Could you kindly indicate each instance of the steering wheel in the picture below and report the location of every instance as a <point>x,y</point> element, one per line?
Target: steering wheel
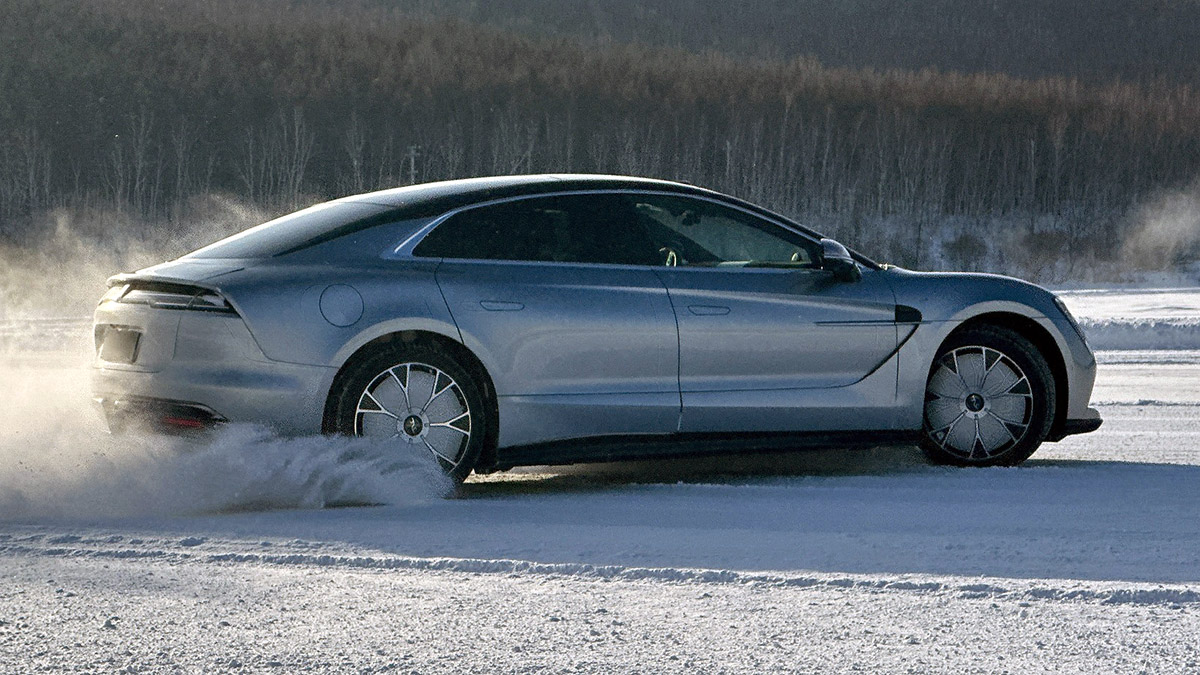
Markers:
<point>670,257</point>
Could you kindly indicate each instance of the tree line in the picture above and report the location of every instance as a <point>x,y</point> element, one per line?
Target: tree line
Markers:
<point>1096,40</point>
<point>142,107</point>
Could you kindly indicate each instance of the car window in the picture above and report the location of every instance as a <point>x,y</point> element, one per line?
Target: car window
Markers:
<point>297,230</point>
<point>695,232</point>
<point>600,228</point>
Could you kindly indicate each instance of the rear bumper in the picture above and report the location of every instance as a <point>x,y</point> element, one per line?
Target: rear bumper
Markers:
<point>122,413</point>
<point>288,398</point>
<point>194,370</point>
<point>1081,425</point>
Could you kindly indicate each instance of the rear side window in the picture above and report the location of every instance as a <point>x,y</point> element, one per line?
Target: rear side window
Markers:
<point>295,231</point>
<point>599,228</point>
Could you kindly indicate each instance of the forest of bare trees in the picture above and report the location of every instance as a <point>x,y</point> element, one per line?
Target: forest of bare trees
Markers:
<point>143,107</point>
<point>1094,40</point>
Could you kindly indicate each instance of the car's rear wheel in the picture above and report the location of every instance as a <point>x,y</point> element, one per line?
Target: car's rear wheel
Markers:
<point>417,397</point>
<point>989,399</point>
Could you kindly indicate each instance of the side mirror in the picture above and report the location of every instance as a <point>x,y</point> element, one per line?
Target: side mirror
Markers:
<point>836,259</point>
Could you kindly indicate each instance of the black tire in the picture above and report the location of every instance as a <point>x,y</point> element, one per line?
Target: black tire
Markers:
<point>1028,408</point>
<point>346,418</point>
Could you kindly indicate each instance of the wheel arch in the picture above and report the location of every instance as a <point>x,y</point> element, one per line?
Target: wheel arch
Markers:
<point>456,349</point>
<point>1044,342</point>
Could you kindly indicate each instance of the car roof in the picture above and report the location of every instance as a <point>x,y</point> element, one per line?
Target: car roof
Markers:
<point>435,198</point>
<point>427,200</point>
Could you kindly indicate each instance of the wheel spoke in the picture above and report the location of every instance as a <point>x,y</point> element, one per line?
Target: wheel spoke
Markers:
<point>449,424</point>
<point>403,385</point>
<point>999,378</point>
<point>961,435</point>
<point>438,454</point>
<point>1019,388</point>
<point>382,408</point>
<point>941,435</point>
<point>993,434</point>
<point>1008,428</point>
<point>420,384</point>
<point>375,425</point>
<point>368,411</point>
<point>945,383</point>
<point>1009,408</point>
<point>942,412</point>
<point>971,368</point>
<point>435,392</point>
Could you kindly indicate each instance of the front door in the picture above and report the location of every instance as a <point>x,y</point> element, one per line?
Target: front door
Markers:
<point>767,340</point>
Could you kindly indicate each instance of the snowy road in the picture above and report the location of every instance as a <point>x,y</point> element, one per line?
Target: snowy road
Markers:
<point>1087,558</point>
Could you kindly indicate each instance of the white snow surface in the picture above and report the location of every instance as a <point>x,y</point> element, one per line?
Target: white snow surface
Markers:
<point>153,556</point>
<point>1138,318</point>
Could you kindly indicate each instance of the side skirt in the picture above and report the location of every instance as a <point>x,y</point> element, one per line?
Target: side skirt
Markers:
<point>666,446</point>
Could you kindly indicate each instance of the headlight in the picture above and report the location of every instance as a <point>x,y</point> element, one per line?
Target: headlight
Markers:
<point>1062,306</point>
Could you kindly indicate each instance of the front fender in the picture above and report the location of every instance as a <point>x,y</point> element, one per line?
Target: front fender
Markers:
<point>947,301</point>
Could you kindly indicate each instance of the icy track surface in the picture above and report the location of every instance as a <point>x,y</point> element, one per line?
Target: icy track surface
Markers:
<point>129,558</point>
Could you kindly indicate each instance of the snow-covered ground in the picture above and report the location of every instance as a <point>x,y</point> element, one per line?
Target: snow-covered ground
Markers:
<point>138,557</point>
<point>1138,318</point>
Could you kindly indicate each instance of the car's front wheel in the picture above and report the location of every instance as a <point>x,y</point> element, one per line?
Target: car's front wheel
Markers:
<point>419,397</point>
<point>989,399</point>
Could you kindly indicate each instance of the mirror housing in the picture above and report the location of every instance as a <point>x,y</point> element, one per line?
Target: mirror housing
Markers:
<point>836,259</point>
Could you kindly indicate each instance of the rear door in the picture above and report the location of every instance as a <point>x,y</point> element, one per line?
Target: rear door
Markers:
<point>568,314</point>
<point>768,341</point>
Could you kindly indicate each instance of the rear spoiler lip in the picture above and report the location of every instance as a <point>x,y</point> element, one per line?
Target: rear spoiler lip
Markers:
<point>128,277</point>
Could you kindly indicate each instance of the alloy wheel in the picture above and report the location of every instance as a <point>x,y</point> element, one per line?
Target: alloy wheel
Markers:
<point>978,403</point>
<point>419,405</point>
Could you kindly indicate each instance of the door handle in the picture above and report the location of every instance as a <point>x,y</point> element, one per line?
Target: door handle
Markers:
<point>708,310</point>
<point>501,306</point>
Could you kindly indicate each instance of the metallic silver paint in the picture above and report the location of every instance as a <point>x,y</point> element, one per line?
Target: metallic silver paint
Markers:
<point>577,350</point>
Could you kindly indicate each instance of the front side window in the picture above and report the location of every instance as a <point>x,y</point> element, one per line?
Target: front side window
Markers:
<point>600,228</point>
<point>694,232</point>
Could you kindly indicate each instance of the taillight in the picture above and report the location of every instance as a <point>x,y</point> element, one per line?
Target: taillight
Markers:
<point>165,295</point>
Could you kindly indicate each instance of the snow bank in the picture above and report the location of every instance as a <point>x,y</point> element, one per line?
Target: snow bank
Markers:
<point>1137,318</point>
<point>1114,334</point>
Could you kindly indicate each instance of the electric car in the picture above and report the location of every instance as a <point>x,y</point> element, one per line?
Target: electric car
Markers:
<point>518,320</point>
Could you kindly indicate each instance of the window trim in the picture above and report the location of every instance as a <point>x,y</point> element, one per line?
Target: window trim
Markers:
<point>404,250</point>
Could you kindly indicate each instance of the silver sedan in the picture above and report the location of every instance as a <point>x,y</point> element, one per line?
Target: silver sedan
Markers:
<point>520,320</point>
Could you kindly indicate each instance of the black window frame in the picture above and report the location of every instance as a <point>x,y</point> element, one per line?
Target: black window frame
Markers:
<point>602,237</point>
<point>770,221</point>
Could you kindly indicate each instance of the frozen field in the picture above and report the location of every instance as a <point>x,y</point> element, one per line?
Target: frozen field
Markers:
<point>1087,558</point>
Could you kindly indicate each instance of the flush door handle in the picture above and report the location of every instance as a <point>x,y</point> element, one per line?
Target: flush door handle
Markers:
<point>501,306</point>
<point>708,310</point>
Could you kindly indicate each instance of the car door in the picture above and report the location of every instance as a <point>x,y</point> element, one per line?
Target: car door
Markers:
<point>769,341</point>
<point>576,330</point>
